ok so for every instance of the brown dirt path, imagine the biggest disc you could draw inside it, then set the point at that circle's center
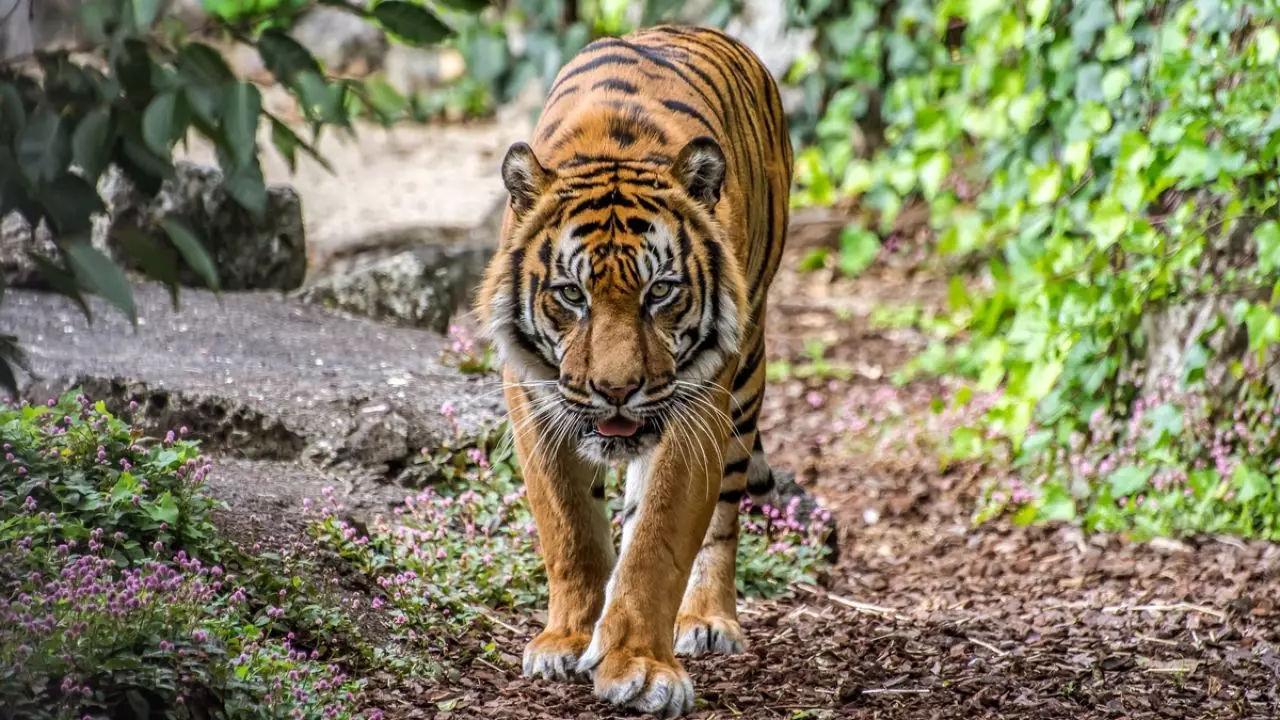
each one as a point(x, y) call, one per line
point(926, 616)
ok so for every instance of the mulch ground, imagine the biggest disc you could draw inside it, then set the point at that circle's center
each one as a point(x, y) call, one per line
point(926, 616)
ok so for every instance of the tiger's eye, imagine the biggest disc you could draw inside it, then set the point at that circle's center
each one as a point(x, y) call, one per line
point(572, 294)
point(660, 290)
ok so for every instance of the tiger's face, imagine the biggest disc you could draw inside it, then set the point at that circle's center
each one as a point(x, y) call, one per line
point(620, 301)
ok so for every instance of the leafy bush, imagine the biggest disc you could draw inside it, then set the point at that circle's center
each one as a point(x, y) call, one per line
point(119, 599)
point(65, 118)
point(1103, 161)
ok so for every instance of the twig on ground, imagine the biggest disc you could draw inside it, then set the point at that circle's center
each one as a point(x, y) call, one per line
point(989, 646)
point(850, 604)
point(499, 623)
point(1173, 607)
point(896, 691)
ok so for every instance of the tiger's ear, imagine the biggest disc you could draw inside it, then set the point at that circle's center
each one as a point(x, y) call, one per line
point(701, 168)
point(524, 177)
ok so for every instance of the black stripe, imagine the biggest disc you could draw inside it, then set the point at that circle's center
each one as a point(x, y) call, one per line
point(747, 425)
point(597, 492)
point(684, 109)
point(549, 130)
point(750, 407)
point(715, 260)
point(758, 445)
point(629, 512)
point(737, 466)
point(732, 497)
point(639, 226)
point(586, 229)
point(592, 64)
point(614, 84)
point(557, 97)
point(747, 369)
point(721, 538)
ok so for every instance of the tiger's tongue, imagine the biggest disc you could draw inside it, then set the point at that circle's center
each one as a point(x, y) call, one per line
point(618, 426)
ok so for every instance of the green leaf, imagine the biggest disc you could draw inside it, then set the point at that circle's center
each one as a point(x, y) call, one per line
point(93, 141)
point(858, 249)
point(71, 202)
point(1114, 83)
point(12, 111)
point(414, 23)
point(205, 77)
point(62, 281)
point(1249, 483)
point(165, 509)
point(1267, 41)
point(284, 56)
point(247, 187)
point(145, 12)
point(42, 146)
point(157, 123)
point(1108, 223)
point(1128, 480)
point(1166, 424)
point(1057, 505)
point(1045, 184)
point(933, 172)
point(1267, 235)
point(193, 251)
point(155, 259)
point(472, 6)
point(240, 123)
point(99, 275)
point(815, 259)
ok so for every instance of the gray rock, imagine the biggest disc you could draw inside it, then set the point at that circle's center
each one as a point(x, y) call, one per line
point(256, 375)
point(250, 253)
point(16, 240)
point(422, 286)
point(341, 41)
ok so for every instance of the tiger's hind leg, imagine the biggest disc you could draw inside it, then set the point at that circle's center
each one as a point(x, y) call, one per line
point(708, 618)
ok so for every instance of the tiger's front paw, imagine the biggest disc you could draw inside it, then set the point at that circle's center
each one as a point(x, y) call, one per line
point(640, 682)
point(553, 655)
point(698, 635)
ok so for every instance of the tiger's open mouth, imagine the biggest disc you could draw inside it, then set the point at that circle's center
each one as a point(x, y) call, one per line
point(618, 438)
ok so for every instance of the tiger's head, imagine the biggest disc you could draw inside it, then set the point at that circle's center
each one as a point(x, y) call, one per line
point(615, 296)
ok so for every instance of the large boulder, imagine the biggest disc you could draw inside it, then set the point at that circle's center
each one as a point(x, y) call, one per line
point(418, 277)
point(421, 287)
point(267, 253)
point(250, 253)
point(256, 375)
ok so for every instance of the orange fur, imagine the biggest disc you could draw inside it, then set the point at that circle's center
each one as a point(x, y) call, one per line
point(646, 221)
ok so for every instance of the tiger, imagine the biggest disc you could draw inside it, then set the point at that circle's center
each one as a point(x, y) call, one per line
point(625, 300)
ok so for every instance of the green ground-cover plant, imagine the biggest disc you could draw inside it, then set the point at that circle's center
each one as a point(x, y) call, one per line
point(467, 544)
point(118, 597)
point(1105, 160)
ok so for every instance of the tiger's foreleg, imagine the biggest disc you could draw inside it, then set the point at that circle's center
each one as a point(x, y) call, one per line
point(567, 498)
point(670, 497)
point(708, 618)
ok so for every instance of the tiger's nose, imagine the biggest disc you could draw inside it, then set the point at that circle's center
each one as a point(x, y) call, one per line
point(616, 393)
